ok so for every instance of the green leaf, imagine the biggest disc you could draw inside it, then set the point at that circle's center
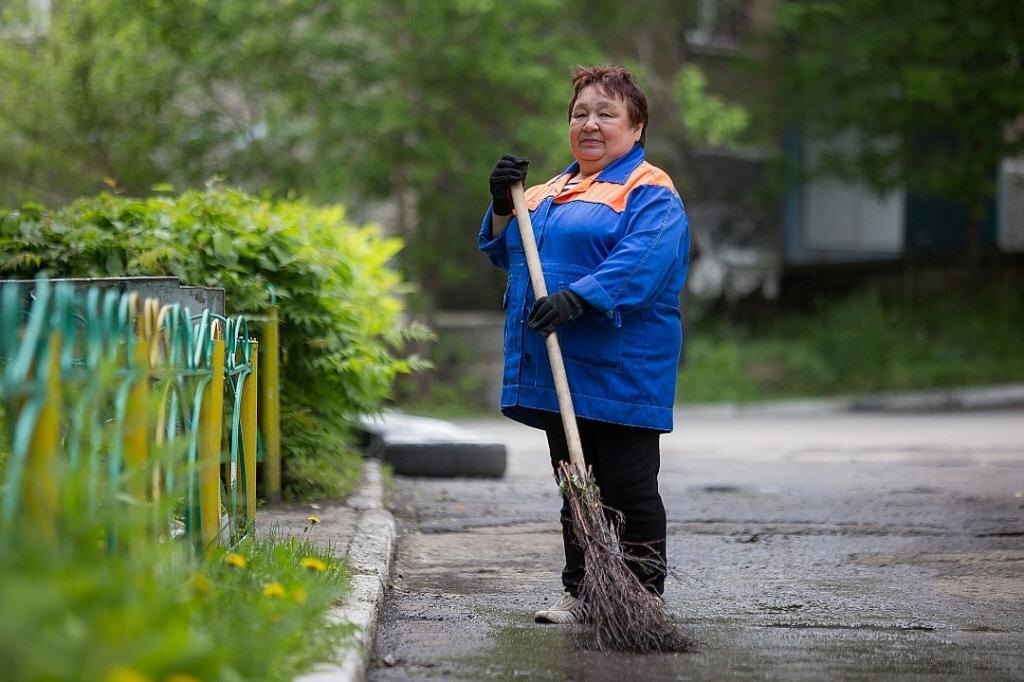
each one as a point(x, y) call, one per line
point(114, 266)
point(222, 245)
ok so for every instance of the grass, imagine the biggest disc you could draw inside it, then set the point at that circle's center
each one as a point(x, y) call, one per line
point(871, 341)
point(442, 401)
point(321, 461)
point(894, 338)
point(76, 607)
point(5, 438)
point(76, 610)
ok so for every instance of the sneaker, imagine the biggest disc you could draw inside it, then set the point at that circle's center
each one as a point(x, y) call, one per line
point(565, 612)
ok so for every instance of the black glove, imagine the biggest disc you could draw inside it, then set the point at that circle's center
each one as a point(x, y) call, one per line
point(550, 311)
point(508, 171)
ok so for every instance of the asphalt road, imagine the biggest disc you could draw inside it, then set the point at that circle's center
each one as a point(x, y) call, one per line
point(807, 546)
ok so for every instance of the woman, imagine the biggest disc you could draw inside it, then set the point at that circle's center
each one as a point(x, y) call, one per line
point(614, 244)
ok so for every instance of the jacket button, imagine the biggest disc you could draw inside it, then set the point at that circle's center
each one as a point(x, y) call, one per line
point(526, 357)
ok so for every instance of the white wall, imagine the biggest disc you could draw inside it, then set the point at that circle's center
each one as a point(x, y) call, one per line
point(838, 216)
point(1010, 237)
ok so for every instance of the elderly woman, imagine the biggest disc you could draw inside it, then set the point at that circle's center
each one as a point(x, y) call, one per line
point(614, 244)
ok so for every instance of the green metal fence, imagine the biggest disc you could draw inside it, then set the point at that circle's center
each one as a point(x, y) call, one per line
point(152, 406)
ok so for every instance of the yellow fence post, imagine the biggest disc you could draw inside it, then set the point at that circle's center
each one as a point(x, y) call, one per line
point(136, 424)
point(39, 485)
point(270, 415)
point(163, 390)
point(250, 398)
point(211, 417)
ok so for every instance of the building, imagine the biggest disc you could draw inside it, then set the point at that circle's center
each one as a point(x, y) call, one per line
point(745, 243)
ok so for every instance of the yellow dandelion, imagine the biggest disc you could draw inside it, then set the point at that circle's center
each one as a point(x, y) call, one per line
point(313, 520)
point(313, 564)
point(120, 673)
point(299, 595)
point(274, 590)
point(235, 560)
point(201, 585)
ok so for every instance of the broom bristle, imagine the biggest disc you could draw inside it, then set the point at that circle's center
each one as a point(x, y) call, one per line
point(625, 616)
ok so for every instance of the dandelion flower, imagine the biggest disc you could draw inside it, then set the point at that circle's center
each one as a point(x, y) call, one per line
point(201, 585)
point(235, 560)
point(120, 673)
point(274, 590)
point(299, 595)
point(313, 564)
point(313, 520)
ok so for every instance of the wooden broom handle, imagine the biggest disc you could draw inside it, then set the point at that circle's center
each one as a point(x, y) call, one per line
point(572, 433)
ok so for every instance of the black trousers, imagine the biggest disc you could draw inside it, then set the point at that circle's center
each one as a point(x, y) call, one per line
point(625, 461)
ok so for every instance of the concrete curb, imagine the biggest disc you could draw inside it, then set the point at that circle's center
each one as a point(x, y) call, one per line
point(981, 398)
point(369, 557)
point(1004, 396)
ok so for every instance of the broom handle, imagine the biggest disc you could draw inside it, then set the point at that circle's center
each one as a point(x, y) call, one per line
point(572, 434)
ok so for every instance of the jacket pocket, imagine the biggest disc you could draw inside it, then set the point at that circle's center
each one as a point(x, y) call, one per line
point(592, 340)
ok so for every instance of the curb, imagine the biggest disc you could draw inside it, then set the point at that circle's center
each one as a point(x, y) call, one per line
point(369, 557)
point(1005, 396)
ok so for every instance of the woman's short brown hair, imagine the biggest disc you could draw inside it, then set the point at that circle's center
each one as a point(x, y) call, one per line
point(614, 81)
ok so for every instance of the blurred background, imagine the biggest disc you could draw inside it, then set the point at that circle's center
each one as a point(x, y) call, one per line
point(852, 170)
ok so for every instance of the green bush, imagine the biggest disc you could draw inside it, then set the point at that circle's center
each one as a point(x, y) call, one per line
point(341, 333)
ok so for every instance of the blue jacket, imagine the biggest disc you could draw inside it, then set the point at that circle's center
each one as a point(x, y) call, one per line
point(621, 241)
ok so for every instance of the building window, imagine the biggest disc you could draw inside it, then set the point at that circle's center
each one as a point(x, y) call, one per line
point(24, 19)
point(720, 26)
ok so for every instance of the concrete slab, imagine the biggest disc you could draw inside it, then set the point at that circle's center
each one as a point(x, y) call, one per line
point(421, 446)
point(845, 545)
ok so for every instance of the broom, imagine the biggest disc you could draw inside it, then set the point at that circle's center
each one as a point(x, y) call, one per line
point(625, 616)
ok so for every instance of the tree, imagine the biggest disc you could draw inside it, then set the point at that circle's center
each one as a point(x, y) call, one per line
point(410, 102)
point(934, 88)
point(366, 98)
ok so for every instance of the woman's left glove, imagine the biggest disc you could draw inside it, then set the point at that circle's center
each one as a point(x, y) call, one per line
point(550, 311)
point(508, 171)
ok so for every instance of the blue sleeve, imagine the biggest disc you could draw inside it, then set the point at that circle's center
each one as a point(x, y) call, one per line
point(655, 245)
point(496, 248)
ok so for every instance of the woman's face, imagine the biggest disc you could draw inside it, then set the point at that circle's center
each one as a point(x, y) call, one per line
point(600, 130)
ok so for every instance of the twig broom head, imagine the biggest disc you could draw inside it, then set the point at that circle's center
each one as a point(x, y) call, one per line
point(625, 616)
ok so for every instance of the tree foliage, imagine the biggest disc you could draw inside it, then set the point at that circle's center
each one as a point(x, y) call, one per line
point(706, 117)
point(934, 88)
point(409, 102)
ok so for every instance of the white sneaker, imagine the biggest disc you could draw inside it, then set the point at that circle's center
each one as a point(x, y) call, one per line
point(565, 612)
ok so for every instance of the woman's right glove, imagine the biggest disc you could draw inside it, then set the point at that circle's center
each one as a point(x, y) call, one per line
point(550, 311)
point(508, 171)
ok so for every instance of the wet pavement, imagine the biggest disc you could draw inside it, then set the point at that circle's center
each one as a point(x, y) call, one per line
point(807, 546)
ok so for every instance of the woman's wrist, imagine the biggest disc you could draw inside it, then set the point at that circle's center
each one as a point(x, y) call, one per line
point(499, 223)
